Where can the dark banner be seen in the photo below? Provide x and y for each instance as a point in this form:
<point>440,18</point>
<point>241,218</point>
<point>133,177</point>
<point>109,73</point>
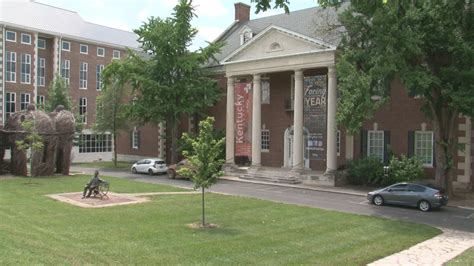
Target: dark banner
<point>243,119</point>
<point>315,113</point>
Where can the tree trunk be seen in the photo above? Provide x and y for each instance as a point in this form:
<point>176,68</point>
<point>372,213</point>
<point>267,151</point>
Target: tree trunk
<point>174,123</point>
<point>445,125</point>
<point>203,213</point>
<point>115,149</point>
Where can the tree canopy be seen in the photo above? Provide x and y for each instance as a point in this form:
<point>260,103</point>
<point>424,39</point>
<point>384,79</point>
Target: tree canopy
<point>170,81</point>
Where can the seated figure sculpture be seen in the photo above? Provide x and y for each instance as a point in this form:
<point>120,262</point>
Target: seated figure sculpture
<point>93,185</point>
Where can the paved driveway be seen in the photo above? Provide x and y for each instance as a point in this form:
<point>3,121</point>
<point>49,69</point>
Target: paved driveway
<point>446,217</point>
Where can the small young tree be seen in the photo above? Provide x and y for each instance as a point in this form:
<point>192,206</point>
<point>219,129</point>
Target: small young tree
<point>58,94</point>
<point>33,141</point>
<point>204,159</point>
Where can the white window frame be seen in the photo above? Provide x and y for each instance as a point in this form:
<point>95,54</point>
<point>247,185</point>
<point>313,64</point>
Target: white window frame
<point>83,109</point>
<point>25,35</point>
<point>419,147</point>
<point>66,70</point>
<point>40,100</point>
<point>25,100</point>
<point>114,54</point>
<point>369,143</point>
<point>338,143</point>
<point>98,76</point>
<point>41,71</point>
<point>9,103</point>
<point>82,46</point>
<point>41,40</point>
<point>95,143</point>
<point>265,140</point>
<point>101,49</point>
<point>135,143</point>
<point>83,66</point>
<point>10,64</point>
<point>6,36</point>
<point>68,44</point>
<point>25,69</point>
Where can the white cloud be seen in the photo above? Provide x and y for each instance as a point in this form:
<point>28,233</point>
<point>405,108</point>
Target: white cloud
<point>209,33</point>
<point>96,4</point>
<point>210,8</point>
<point>143,15</point>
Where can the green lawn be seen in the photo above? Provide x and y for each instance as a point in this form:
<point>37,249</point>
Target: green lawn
<point>466,258</point>
<point>37,230</point>
<point>106,164</point>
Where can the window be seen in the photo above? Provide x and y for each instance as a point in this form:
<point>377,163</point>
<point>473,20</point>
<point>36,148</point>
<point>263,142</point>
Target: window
<point>265,140</point>
<point>25,72</point>
<point>40,101</point>
<point>135,138</point>
<point>10,36</point>
<point>41,43</point>
<point>100,51</point>
<point>338,142</point>
<point>24,101</point>
<point>25,38</point>
<point>83,109</point>
<point>91,143</point>
<point>400,187</point>
<point>84,49</point>
<point>10,69</point>
<point>245,36</point>
<point>375,145</point>
<point>275,47</point>
<point>10,103</point>
<point>98,83</point>
<point>116,54</point>
<point>424,147</point>
<point>265,87</point>
<point>41,72</point>
<point>83,76</point>
<point>416,188</point>
<point>65,70</point>
<point>66,46</point>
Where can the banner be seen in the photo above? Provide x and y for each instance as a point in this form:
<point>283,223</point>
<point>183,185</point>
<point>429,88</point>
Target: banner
<point>315,115</point>
<point>243,119</point>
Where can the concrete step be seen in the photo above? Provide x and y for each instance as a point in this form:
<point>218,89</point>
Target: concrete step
<point>270,178</point>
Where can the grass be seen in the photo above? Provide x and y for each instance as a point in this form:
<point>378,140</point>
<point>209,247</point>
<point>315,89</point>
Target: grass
<point>37,230</point>
<point>466,258</point>
<point>106,164</point>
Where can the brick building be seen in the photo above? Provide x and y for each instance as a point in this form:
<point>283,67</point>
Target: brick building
<point>38,41</point>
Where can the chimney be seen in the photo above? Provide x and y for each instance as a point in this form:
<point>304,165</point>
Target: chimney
<point>242,12</point>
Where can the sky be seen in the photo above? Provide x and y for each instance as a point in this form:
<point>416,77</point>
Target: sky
<point>214,16</point>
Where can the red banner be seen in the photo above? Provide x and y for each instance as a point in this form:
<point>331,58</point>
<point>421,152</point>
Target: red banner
<point>243,119</point>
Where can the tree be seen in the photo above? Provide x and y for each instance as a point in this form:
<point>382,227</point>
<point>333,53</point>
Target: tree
<point>32,141</point>
<point>170,81</point>
<point>428,45</point>
<point>58,94</point>
<point>205,158</point>
<point>112,103</point>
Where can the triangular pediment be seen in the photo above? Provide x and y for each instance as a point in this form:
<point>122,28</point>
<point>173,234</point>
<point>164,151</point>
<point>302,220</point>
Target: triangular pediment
<point>274,42</point>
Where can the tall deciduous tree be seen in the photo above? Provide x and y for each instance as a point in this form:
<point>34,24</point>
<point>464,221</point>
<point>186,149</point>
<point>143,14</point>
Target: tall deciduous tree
<point>112,104</point>
<point>429,45</point>
<point>170,81</point>
<point>58,94</point>
<point>204,158</point>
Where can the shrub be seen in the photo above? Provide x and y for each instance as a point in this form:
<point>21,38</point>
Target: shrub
<point>403,169</point>
<point>365,171</point>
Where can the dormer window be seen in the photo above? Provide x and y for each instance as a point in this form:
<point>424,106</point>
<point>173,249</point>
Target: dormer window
<point>245,35</point>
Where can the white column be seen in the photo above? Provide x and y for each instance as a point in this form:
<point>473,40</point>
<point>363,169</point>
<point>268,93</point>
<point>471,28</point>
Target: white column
<point>229,127</point>
<point>56,55</point>
<point>34,70</point>
<point>331,155</point>
<point>256,121</point>
<point>298,163</point>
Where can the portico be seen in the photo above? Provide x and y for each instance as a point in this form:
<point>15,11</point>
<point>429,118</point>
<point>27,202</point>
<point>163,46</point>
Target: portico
<point>277,50</point>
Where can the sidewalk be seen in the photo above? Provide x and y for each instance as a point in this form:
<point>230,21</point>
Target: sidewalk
<point>349,190</point>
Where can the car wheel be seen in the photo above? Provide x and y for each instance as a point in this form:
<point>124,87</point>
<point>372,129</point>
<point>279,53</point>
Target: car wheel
<point>171,174</point>
<point>424,205</point>
<point>134,170</point>
<point>150,172</point>
<point>378,200</point>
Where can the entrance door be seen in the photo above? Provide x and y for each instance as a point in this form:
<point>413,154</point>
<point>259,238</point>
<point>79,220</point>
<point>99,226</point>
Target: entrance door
<point>288,152</point>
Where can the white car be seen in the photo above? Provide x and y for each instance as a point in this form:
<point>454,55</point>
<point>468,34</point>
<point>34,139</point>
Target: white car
<point>150,166</point>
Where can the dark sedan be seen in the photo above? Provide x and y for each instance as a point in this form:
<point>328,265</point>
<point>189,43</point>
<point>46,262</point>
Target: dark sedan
<point>424,197</point>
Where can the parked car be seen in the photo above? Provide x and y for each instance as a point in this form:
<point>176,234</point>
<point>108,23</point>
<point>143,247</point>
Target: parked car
<point>172,169</point>
<point>150,166</point>
<point>424,197</point>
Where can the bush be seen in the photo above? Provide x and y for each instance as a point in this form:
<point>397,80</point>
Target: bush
<point>403,170</point>
<point>365,171</point>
